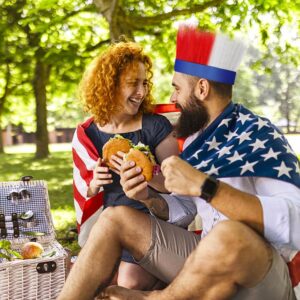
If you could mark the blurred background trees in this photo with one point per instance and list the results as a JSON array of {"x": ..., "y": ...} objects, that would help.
[{"x": 46, "y": 44}]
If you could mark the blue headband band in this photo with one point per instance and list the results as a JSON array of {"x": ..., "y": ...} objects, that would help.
[{"x": 203, "y": 71}]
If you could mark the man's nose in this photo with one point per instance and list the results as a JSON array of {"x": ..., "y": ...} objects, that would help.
[{"x": 173, "y": 98}]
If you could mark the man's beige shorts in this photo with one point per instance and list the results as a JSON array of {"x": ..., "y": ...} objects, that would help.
[{"x": 171, "y": 245}]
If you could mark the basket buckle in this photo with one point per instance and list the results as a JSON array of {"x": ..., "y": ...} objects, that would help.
[{"x": 46, "y": 267}]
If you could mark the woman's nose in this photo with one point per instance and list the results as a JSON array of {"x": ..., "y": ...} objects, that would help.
[{"x": 141, "y": 90}]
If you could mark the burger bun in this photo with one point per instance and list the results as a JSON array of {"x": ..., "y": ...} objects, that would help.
[
  {"x": 113, "y": 146},
  {"x": 141, "y": 160}
]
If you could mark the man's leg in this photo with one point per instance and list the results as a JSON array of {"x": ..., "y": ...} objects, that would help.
[
  {"x": 117, "y": 228},
  {"x": 231, "y": 256}
]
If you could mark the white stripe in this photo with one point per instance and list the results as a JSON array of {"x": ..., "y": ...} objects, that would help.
[
  {"x": 287, "y": 253},
  {"x": 79, "y": 182},
  {"x": 297, "y": 291},
  {"x": 78, "y": 212},
  {"x": 86, "y": 227},
  {"x": 226, "y": 53},
  {"x": 82, "y": 153}
]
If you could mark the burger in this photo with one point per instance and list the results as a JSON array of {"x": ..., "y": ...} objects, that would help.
[
  {"x": 143, "y": 158},
  {"x": 113, "y": 145}
]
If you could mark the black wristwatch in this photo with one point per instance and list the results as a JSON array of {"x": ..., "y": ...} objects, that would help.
[{"x": 209, "y": 188}]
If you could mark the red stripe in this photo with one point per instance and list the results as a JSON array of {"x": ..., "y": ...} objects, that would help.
[
  {"x": 294, "y": 269},
  {"x": 193, "y": 45},
  {"x": 85, "y": 174},
  {"x": 91, "y": 206},
  {"x": 198, "y": 232},
  {"x": 165, "y": 108},
  {"x": 88, "y": 207},
  {"x": 86, "y": 142},
  {"x": 78, "y": 197}
]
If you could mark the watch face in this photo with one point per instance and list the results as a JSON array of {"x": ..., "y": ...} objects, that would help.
[{"x": 209, "y": 188}]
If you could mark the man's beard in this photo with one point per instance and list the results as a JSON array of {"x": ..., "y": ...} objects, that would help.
[{"x": 193, "y": 117}]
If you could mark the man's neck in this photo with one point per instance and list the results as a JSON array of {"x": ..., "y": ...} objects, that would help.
[{"x": 215, "y": 108}]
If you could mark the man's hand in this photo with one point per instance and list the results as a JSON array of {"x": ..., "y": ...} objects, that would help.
[
  {"x": 116, "y": 161},
  {"x": 181, "y": 178},
  {"x": 133, "y": 182},
  {"x": 135, "y": 187}
]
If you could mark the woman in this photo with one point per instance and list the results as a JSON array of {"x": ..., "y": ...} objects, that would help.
[{"x": 116, "y": 91}]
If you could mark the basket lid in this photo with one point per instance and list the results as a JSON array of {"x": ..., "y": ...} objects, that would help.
[{"x": 25, "y": 211}]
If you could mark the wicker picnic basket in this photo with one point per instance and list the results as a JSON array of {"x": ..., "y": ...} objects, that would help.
[{"x": 24, "y": 279}]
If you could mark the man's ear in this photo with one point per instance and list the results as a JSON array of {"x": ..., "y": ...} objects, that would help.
[{"x": 202, "y": 89}]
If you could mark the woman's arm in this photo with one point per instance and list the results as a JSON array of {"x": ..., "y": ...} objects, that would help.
[{"x": 167, "y": 147}]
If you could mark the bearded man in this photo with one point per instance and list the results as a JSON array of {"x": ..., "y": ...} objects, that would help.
[{"x": 236, "y": 171}]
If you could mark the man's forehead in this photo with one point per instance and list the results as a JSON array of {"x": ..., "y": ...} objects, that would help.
[{"x": 180, "y": 79}]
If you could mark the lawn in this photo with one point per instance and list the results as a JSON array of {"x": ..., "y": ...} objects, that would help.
[{"x": 57, "y": 172}]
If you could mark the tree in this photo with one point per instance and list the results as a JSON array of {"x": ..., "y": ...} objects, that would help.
[
  {"x": 40, "y": 27},
  {"x": 47, "y": 43}
]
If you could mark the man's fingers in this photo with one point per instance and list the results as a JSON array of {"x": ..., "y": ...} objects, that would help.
[
  {"x": 131, "y": 179},
  {"x": 133, "y": 188},
  {"x": 115, "y": 170},
  {"x": 126, "y": 165},
  {"x": 131, "y": 173},
  {"x": 117, "y": 159}
]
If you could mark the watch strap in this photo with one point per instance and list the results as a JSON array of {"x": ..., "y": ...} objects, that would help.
[{"x": 209, "y": 188}]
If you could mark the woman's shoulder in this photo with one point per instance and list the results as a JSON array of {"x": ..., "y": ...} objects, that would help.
[
  {"x": 156, "y": 123},
  {"x": 153, "y": 117}
]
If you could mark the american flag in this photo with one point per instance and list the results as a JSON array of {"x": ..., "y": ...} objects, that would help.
[
  {"x": 85, "y": 156},
  {"x": 240, "y": 143}
]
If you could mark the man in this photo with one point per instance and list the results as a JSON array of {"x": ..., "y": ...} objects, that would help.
[{"x": 249, "y": 214}]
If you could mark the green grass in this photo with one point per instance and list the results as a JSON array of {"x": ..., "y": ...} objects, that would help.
[{"x": 57, "y": 172}]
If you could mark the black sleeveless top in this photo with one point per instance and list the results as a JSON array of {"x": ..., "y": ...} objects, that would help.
[{"x": 155, "y": 128}]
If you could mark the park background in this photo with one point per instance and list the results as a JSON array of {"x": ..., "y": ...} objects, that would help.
[{"x": 45, "y": 45}]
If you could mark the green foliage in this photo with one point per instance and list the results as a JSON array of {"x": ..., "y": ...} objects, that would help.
[
  {"x": 7, "y": 252},
  {"x": 67, "y": 34}
]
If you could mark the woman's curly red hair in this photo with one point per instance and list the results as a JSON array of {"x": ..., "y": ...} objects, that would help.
[{"x": 100, "y": 82}]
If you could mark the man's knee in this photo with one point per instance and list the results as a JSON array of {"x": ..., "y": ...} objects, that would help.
[
  {"x": 123, "y": 221},
  {"x": 112, "y": 218},
  {"x": 234, "y": 247},
  {"x": 232, "y": 243}
]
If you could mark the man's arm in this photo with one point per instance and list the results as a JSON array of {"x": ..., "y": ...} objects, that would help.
[
  {"x": 238, "y": 205},
  {"x": 157, "y": 205},
  {"x": 177, "y": 210},
  {"x": 231, "y": 202},
  {"x": 135, "y": 187}
]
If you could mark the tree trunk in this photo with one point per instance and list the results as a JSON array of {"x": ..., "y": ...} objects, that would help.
[
  {"x": 41, "y": 76},
  {"x": 1, "y": 139},
  {"x": 116, "y": 19}
]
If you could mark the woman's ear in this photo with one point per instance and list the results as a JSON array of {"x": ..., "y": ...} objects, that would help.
[{"x": 202, "y": 89}]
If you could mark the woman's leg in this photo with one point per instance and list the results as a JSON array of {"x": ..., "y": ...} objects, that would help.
[{"x": 132, "y": 276}]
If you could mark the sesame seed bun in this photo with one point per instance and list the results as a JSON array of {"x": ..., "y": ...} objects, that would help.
[
  {"x": 141, "y": 160},
  {"x": 113, "y": 146}
]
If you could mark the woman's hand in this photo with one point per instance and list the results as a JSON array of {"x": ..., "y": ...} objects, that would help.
[
  {"x": 181, "y": 178},
  {"x": 101, "y": 176},
  {"x": 133, "y": 182}
]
